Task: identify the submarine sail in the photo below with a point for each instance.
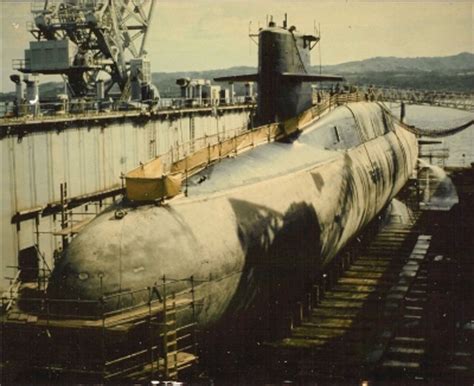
(284, 83)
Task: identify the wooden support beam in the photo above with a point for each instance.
(316, 296)
(298, 314)
(53, 208)
(308, 304)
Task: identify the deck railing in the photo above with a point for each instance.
(82, 108)
(55, 110)
(163, 318)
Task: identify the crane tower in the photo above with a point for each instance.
(96, 44)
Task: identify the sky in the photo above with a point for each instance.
(193, 35)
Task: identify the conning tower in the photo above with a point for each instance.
(284, 81)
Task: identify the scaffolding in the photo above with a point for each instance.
(152, 339)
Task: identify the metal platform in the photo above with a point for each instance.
(133, 344)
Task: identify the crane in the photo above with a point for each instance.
(92, 41)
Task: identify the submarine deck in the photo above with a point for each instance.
(321, 141)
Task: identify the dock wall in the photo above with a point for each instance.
(88, 154)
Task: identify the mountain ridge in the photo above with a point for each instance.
(453, 72)
(461, 61)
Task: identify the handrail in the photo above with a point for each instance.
(43, 259)
(55, 110)
(74, 108)
(101, 300)
(12, 291)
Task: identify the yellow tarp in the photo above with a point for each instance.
(244, 141)
(293, 124)
(148, 183)
(260, 135)
(227, 147)
(214, 152)
(151, 169)
(173, 184)
(194, 161)
(151, 189)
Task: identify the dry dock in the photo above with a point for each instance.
(397, 307)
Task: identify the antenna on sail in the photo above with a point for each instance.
(319, 49)
(252, 36)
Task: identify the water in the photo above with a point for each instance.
(460, 146)
(3, 109)
(439, 192)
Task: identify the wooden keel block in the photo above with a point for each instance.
(316, 297)
(298, 314)
(284, 327)
(308, 304)
(323, 286)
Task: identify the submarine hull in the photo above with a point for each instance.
(260, 227)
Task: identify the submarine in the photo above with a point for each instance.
(256, 228)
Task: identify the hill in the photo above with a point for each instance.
(166, 81)
(455, 63)
(453, 73)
